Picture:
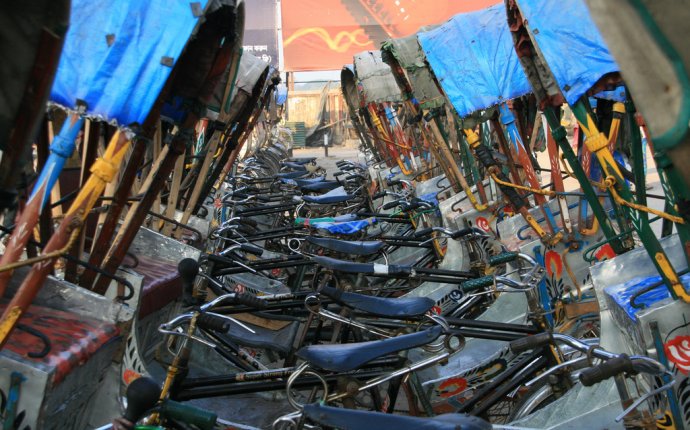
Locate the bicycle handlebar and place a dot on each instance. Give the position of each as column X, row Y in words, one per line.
column 529, row 281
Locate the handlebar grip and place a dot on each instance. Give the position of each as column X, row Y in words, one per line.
column 391, row 205
column 352, row 176
column 417, row 203
column 485, row 156
column 250, row 300
column 530, row 342
column 252, row 249
column 607, row 369
column 393, row 183
column 476, row 284
column 423, row 232
column 142, row 394
column 503, row 257
column 379, row 195
column 213, row 323
column 188, row 414
column 462, row 233
column 336, row 174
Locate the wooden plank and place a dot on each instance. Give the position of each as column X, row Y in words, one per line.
column 203, row 172
column 172, row 197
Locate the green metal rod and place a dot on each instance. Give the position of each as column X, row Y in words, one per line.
column 559, row 135
column 647, row 236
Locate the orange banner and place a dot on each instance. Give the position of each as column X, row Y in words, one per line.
column 325, row 34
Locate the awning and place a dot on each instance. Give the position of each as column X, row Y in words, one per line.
column 410, row 56
column 569, row 42
column 118, row 55
column 473, row 58
column 376, row 79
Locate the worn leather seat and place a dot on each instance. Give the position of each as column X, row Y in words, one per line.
column 363, row 268
column 337, row 195
column 303, row 182
column 301, row 160
column 293, row 166
column 292, row 175
column 320, row 186
column 347, row 246
column 264, row 338
column 352, row 419
column 350, row 356
column 394, row 308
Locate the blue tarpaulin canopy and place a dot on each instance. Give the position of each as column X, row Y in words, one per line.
column 570, row 43
column 473, row 58
column 118, row 55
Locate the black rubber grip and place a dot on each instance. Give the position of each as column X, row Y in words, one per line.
column 423, row 232
column 412, row 205
column 378, row 195
column 336, row 174
column 188, row 414
column 391, row 205
column 530, row 342
column 213, row 322
column 502, row 258
column 393, row 183
column 484, row 156
column 340, row 163
column 476, row 284
column 250, row 300
column 607, row 369
column 142, row 395
column 252, row 249
column 462, row 233
column 353, row 176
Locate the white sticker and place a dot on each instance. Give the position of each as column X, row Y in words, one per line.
column 381, row 269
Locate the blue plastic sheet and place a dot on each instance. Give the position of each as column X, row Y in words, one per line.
column 473, row 58
column 281, row 94
column 621, row 293
column 113, row 54
column 570, row 42
column 348, row 227
column 430, row 198
column 617, row 95
column 339, row 218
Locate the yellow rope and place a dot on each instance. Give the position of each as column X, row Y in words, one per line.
column 609, row 184
column 610, row 181
column 549, row 193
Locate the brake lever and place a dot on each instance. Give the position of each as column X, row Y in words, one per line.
column 229, row 318
column 163, row 330
column 648, row 395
